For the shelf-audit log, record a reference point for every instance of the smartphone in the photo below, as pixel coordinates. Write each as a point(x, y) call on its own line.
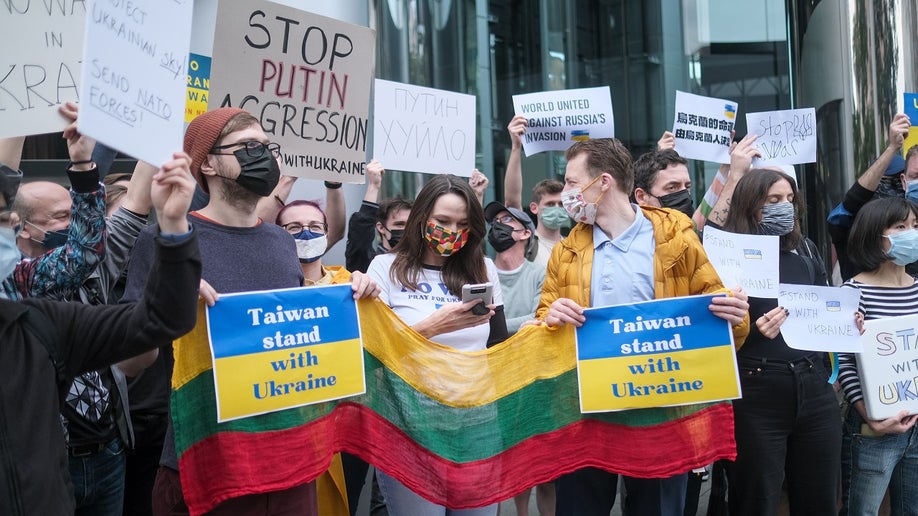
point(482, 291)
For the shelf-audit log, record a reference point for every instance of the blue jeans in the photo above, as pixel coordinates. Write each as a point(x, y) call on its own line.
point(591, 492)
point(873, 463)
point(401, 501)
point(98, 481)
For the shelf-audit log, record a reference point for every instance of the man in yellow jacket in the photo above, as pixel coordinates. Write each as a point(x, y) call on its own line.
point(621, 253)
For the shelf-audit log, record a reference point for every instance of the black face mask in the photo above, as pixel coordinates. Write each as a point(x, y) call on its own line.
point(259, 175)
point(501, 237)
point(55, 239)
point(680, 201)
point(395, 236)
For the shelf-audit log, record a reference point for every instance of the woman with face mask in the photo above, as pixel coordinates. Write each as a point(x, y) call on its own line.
point(422, 279)
point(880, 454)
point(787, 427)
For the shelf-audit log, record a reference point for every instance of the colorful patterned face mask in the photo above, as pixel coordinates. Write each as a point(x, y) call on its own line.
point(445, 241)
point(577, 207)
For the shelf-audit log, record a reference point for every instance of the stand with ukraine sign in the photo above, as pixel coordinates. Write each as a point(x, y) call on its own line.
point(283, 349)
point(659, 353)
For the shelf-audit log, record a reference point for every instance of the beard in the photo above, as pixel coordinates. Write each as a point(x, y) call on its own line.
point(232, 193)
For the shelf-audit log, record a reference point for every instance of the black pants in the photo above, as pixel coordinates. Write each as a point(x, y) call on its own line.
point(787, 426)
point(591, 492)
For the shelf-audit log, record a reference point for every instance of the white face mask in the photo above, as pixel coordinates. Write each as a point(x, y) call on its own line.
point(310, 248)
point(575, 205)
point(9, 252)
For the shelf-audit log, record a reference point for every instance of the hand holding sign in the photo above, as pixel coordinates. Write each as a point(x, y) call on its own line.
point(172, 191)
point(517, 128)
point(78, 146)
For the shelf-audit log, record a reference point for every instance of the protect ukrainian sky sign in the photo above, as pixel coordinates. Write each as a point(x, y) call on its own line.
point(655, 354)
point(280, 349)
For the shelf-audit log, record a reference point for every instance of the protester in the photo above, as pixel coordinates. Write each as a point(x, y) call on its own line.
point(45, 344)
point(787, 430)
point(880, 454)
point(620, 253)
point(63, 232)
point(270, 205)
point(442, 246)
point(374, 220)
point(885, 177)
point(546, 196)
point(512, 234)
point(235, 164)
point(661, 179)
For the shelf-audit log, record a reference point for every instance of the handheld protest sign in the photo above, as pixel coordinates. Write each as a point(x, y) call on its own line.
point(280, 349)
point(135, 64)
point(423, 129)
point(558, 119)
point(40, 63)
point(306, 78)
point(702, 126)
point(658, 353)
point(888, 366)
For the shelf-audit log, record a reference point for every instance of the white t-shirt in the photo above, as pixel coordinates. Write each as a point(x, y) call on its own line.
point(413, 306)
point(545, 248)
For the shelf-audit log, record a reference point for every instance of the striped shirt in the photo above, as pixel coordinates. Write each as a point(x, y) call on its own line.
point(876, 303)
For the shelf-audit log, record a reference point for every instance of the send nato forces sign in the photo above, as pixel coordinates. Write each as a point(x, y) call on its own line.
point(655, 354)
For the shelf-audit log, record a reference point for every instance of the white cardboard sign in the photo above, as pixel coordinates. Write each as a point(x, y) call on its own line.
point(135, 66)
point(747, 260)
point(558, 119)
point(422, 129)
point(40, 64)
point(889, 365)
point(702, 127)
point(785, 137)
point(821, 318)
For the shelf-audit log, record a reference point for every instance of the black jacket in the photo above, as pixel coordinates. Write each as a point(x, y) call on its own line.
point(34, 476)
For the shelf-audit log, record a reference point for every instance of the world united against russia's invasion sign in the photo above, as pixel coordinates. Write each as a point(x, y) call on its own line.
point(422, 129)
point(307, 79)
point(655, 354)
point(39, 64)
point(702, 127)
point(888, 366)
point(280, 349)
point(559, 119)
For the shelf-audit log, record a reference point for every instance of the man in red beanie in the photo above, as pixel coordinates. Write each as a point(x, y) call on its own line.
point(233, 161)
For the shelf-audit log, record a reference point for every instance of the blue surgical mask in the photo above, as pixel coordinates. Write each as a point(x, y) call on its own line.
point(777, 218)
point(52, 239)
point(9, 253)
point(903, 247)
point(911, 191)
point(310, 246)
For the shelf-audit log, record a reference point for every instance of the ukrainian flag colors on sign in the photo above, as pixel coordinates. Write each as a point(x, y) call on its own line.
point(284, 348)
point(911, 109)
point(655, 354)
point(198, 86)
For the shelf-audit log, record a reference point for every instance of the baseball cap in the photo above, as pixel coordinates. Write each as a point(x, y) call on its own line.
point(493, 208)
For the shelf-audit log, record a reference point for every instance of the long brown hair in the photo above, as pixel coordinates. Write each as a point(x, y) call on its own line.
point(748, 198)
point(464, 266)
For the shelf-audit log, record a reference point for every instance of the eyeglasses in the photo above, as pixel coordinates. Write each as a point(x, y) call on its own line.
point(506, 219)
point(315, 227)
point(254, 149)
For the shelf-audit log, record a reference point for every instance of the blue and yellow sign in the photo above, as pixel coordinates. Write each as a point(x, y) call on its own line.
point(655, 354)
point(198, 86)
point(280, 349)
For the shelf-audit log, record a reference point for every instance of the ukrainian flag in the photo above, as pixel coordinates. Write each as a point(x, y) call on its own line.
point(580, 135)
point(729, 111)
point(752, 254)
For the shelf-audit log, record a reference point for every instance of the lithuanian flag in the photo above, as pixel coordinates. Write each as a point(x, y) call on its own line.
point(460, 429)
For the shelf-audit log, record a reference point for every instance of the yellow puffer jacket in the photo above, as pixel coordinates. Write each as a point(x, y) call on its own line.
point(680, 268)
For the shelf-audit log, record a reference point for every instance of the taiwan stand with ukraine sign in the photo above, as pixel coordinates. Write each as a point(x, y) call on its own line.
point(280, 349)
point(655, 354)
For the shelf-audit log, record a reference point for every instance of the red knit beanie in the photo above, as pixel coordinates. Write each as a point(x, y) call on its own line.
point(201, 136)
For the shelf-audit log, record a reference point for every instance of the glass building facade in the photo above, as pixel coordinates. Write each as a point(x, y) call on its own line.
point(851, 61)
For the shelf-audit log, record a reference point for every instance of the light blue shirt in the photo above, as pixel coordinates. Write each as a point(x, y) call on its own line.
point(623, 267)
